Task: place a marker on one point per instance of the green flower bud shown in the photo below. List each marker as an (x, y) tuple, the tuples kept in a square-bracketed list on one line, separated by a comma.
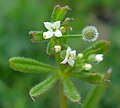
[(62, 54), (91, 58), (80, 55)]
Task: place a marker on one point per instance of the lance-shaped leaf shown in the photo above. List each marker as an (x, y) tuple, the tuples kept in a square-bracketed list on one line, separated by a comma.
[(43, 86), (97, 48), (59, 13), (93, 78), (96, 93), (37, 36), (29, 65), (70, 91)]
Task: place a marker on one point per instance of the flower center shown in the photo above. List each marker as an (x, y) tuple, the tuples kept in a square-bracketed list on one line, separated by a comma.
[(70, 56), (90, 34), (53, 29)]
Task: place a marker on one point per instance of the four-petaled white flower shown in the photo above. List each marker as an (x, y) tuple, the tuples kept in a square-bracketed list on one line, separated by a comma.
[(99, 58), (70, 56), (53, 30)]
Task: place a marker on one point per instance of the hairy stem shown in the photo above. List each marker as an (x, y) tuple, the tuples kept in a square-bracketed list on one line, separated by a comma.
[(63, 98)]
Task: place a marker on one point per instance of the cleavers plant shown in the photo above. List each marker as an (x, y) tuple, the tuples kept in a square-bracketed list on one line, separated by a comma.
[(70, 64)]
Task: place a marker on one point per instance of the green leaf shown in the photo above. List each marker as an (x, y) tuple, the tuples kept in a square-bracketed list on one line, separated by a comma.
[(29, 65), (59, 13), (70, 91), (96, 93), (93, 78), (43, 86), (97, 48), (37, 36)]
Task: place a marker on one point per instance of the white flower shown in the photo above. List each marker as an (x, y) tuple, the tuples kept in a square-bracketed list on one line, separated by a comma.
[(87, 67), (57, 48), (99, 58), (90, 33), (53, 30), (70, 56)]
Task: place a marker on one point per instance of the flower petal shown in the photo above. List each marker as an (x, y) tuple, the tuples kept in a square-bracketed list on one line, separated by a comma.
[(73, 54), (47, 35), (71, 62), (58, 33), (64, 61), (68, 51), (56, 24), (48, 25)]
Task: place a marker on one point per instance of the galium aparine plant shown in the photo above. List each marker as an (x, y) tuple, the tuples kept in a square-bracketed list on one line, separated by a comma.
[(70, 63)]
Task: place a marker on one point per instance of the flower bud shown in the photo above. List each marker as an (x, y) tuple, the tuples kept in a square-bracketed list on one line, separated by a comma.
[(62, 54), (80, 55), (90, 33), (91, 58), (95, 58), (87, 67), (37, 36), (99, 58), (62, 29), (57, 48)]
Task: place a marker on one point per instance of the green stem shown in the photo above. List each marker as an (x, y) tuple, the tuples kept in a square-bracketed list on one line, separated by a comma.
[(72, 36), (63, 98)]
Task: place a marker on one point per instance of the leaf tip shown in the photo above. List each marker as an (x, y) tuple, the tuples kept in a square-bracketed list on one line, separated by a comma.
[(67, 7), (32, 97), (11, 61), (80, 103)]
